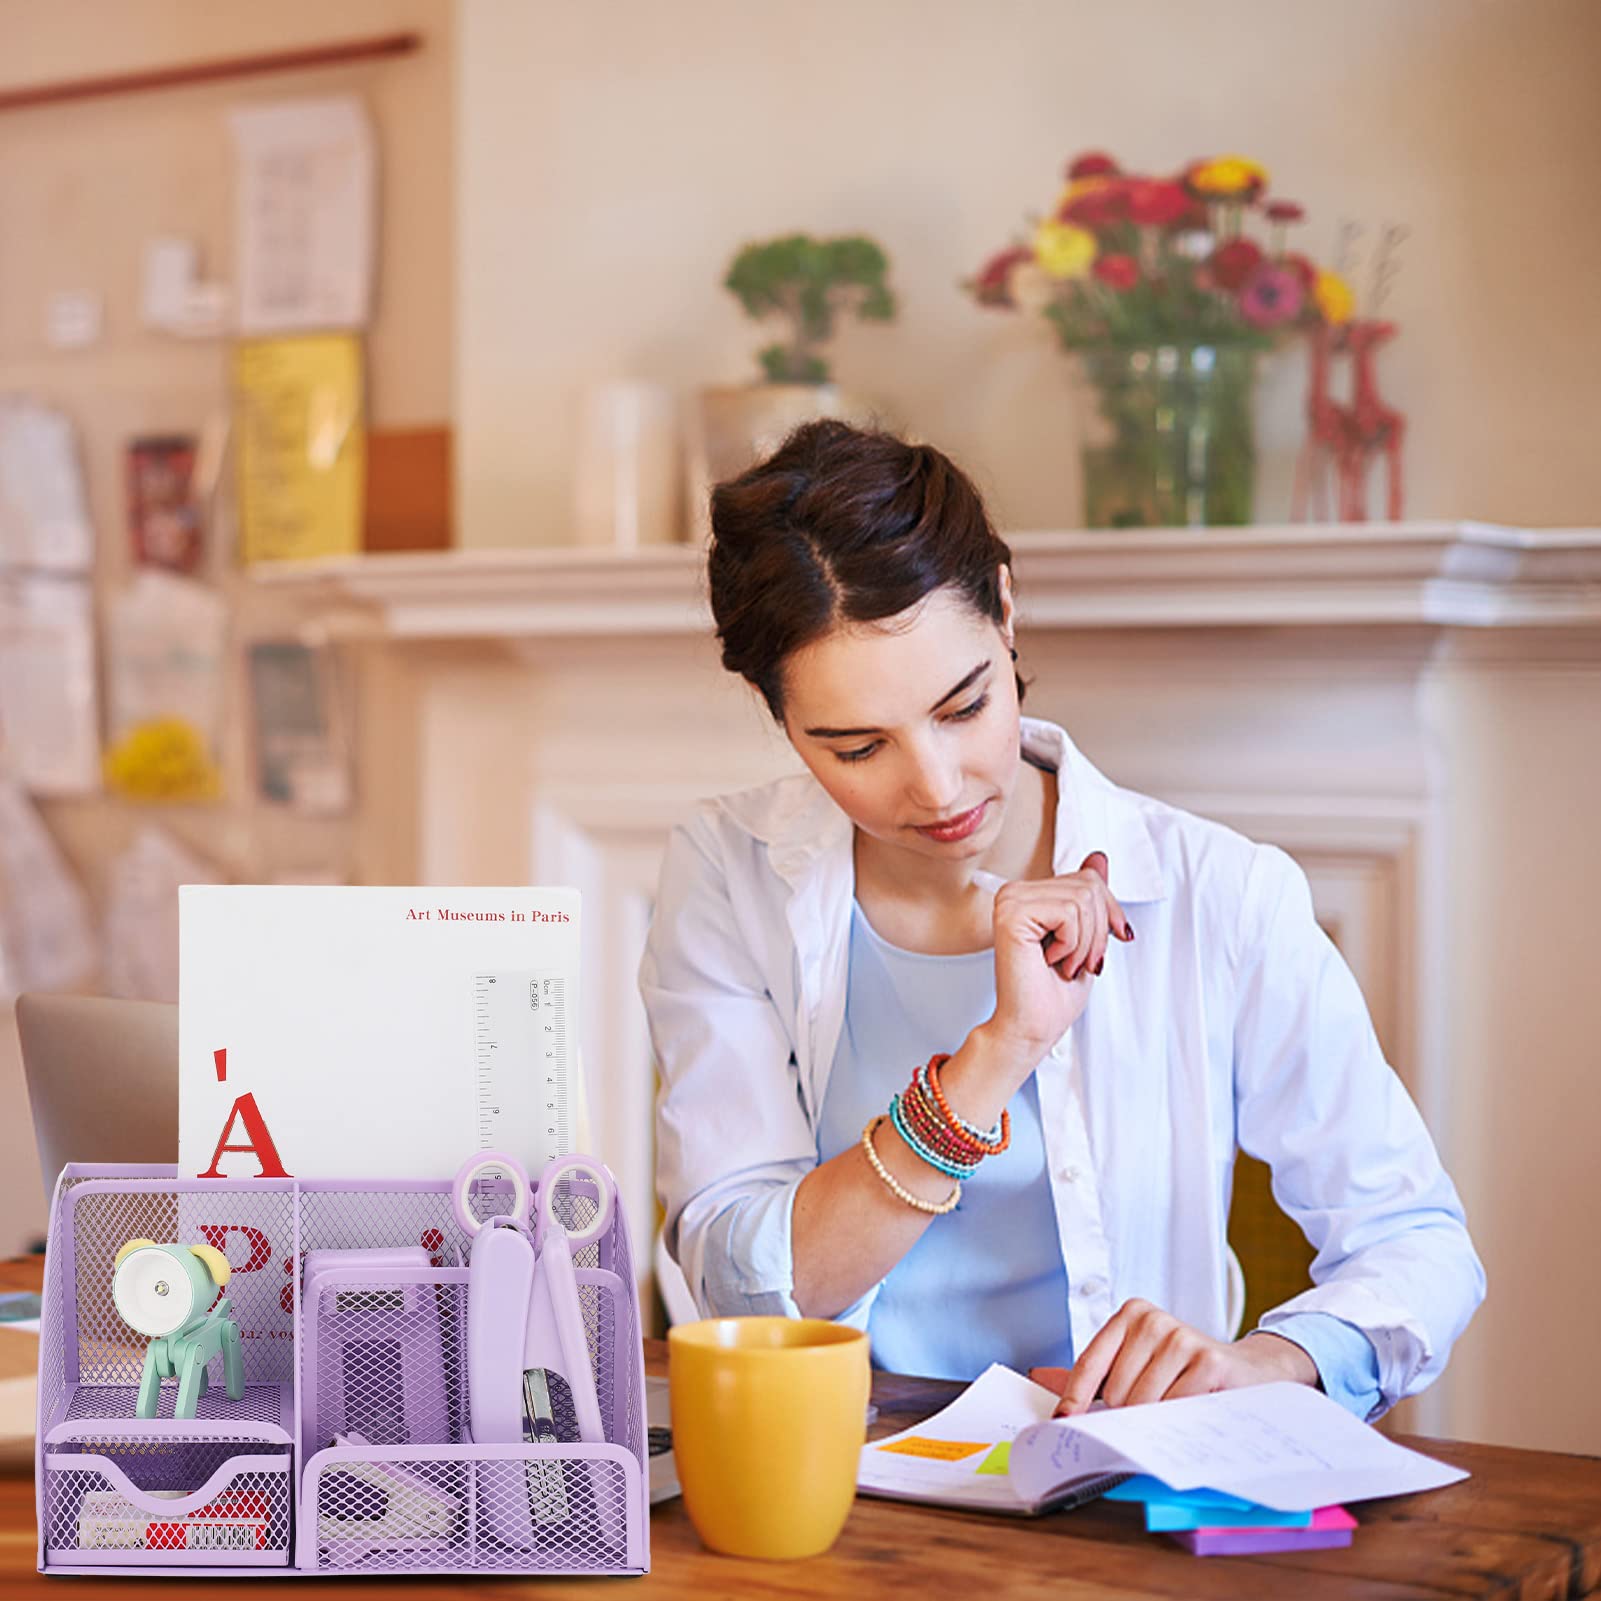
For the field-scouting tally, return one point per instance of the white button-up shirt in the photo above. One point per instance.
(1231, 1021)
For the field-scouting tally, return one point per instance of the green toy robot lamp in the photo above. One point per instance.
(166, 1291)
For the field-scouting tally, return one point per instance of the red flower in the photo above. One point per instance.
(1121, 272)
(992, 287)
(1284, 211)
(1157, 203)
(1092, 164)
(1105, 201)
(1233, 263)
(1302, 268)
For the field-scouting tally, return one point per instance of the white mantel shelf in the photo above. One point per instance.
(1440, 574)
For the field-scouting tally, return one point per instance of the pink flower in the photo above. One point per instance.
(1092, 164)
(1121, 272)
(1234, 262)
(1271, 296)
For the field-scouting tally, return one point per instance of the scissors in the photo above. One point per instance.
(529, 1378)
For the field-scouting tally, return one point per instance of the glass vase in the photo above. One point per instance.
(1172, 444)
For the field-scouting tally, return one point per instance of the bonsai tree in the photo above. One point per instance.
(809, 281)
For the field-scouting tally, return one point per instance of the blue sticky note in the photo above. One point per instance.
(1169, 1517)
(1142, 1487)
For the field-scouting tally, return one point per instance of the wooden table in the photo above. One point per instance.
(1526, 1526)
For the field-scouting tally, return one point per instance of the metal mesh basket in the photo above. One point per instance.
(373, 1359)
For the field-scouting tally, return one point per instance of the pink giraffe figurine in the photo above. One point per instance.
(1372, 426)
(1328, 428)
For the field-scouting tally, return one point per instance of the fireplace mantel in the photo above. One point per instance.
(1437, 574)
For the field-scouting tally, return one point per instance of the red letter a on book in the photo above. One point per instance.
(260, 1146)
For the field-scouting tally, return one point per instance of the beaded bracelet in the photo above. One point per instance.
(990, 1142)
(920, 1147)
(924, 1120)
(894, 1185)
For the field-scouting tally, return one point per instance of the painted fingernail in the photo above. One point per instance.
(1128, 933)
(1099, 965)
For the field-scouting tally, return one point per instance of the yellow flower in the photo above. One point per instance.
(1064, 251)
(1334, 298)
(164, 759)
(1225, 176)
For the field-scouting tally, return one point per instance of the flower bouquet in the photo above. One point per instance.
(1167, 288)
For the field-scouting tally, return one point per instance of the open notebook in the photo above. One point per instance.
(996, 1448)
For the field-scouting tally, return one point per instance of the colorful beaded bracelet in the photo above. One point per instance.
(991, 1142)
(894, 1185)
(921, 1148)
(924, 1120)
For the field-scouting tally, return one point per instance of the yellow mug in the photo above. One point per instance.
(769, 1420)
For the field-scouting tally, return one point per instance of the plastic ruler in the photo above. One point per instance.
(523, 1061)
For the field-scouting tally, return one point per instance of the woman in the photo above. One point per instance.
(957, 1038)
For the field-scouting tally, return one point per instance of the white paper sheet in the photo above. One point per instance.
(46, 936)
(165, 638)
(355, 1019)
(307, 197)
(49, 708)
(1283, 1445)
(142, 915)
(44, 518)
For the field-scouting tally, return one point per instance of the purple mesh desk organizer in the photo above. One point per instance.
(373, 1357)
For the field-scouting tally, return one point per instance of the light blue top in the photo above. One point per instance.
(987, 1283)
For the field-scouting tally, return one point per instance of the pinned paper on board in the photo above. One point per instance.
(301, 444)
(53, 945)
(165, 642)
(307, 201)
(49, 704)
(44, 515)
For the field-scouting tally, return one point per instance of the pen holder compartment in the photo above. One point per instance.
(388, 1354)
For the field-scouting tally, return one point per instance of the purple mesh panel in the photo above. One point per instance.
(97, 1511)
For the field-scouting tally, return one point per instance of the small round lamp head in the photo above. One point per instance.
(160, 1288)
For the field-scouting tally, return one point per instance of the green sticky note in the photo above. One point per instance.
(999, 1460)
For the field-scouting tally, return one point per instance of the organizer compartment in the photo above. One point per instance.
(388, 1353)
(116, 1506)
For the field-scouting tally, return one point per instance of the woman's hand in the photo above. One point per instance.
(1050, 943)
(1145, 1354)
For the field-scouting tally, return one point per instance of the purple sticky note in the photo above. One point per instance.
(1331, 1527)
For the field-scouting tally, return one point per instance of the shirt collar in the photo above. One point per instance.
(801, 826)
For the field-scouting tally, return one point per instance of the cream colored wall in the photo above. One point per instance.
(613, 157)
(81, 187)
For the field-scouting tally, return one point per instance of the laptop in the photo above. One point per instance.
(102, 1080)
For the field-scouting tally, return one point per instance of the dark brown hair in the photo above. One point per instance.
(841, 525)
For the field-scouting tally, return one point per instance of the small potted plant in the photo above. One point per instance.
(808, 284)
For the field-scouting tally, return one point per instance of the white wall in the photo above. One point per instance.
(612, 158)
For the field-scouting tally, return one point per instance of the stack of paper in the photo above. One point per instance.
(1210, 1523)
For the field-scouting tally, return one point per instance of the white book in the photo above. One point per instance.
(1287, 1446)
(375, 1032)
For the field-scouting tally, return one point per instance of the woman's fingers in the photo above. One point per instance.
(1175, 1352)
(1096, 863)
(1085, 1376)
